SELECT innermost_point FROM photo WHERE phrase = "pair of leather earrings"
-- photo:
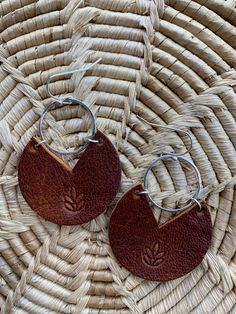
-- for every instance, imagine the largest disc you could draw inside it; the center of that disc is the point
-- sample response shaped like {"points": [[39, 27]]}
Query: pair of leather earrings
{"points": [[75, 196]]}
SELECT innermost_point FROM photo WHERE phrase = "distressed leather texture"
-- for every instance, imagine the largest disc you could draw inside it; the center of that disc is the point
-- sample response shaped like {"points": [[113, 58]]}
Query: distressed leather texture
{"points": [[70, 196], [158, 252]]}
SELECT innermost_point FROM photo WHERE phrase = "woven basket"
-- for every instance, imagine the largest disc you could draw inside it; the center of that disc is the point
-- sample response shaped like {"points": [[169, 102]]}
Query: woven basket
{"points": [[169, 63]]}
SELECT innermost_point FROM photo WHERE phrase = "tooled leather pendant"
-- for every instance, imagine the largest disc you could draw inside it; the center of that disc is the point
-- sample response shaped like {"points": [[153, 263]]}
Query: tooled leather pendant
{"points": [[70, 196], [155, 252]]}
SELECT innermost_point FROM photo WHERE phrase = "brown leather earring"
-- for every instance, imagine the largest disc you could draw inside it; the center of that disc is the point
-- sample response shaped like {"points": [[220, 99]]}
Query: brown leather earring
{"points": [[159, 252], [63, 195]]}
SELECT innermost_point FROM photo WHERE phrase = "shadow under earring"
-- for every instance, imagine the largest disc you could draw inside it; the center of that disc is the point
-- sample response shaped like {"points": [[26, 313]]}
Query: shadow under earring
{"points": [[69, 196], [159, 252]]}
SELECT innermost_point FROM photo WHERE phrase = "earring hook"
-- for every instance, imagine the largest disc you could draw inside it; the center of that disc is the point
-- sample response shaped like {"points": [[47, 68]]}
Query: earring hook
{"points": [[197, 194], [77, 150], [53, 76], [172, 129]]}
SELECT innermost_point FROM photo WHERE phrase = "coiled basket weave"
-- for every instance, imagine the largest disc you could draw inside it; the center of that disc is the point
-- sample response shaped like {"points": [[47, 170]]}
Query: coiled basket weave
{"points": [[164, 63]]}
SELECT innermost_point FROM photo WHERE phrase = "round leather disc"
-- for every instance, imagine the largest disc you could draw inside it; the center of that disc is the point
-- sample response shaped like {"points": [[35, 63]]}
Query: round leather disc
{"points": [[158, 252], [70, 196]]}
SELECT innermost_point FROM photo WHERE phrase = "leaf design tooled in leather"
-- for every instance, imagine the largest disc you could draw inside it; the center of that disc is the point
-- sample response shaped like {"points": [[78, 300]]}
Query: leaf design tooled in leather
{"points": [[153, 256], [72, 201]]}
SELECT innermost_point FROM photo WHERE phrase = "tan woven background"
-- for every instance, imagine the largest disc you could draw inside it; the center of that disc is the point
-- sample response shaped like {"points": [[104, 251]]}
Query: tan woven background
{"points": [[171, 64]]}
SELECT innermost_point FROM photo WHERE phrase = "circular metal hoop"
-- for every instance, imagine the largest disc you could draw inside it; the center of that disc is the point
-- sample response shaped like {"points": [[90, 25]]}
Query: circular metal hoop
{"points": [[67, 101], [196, 172]]}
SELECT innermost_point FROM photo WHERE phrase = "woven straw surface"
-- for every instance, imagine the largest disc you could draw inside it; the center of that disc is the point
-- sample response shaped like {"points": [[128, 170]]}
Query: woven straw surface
{"points": [[169, 63]]}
